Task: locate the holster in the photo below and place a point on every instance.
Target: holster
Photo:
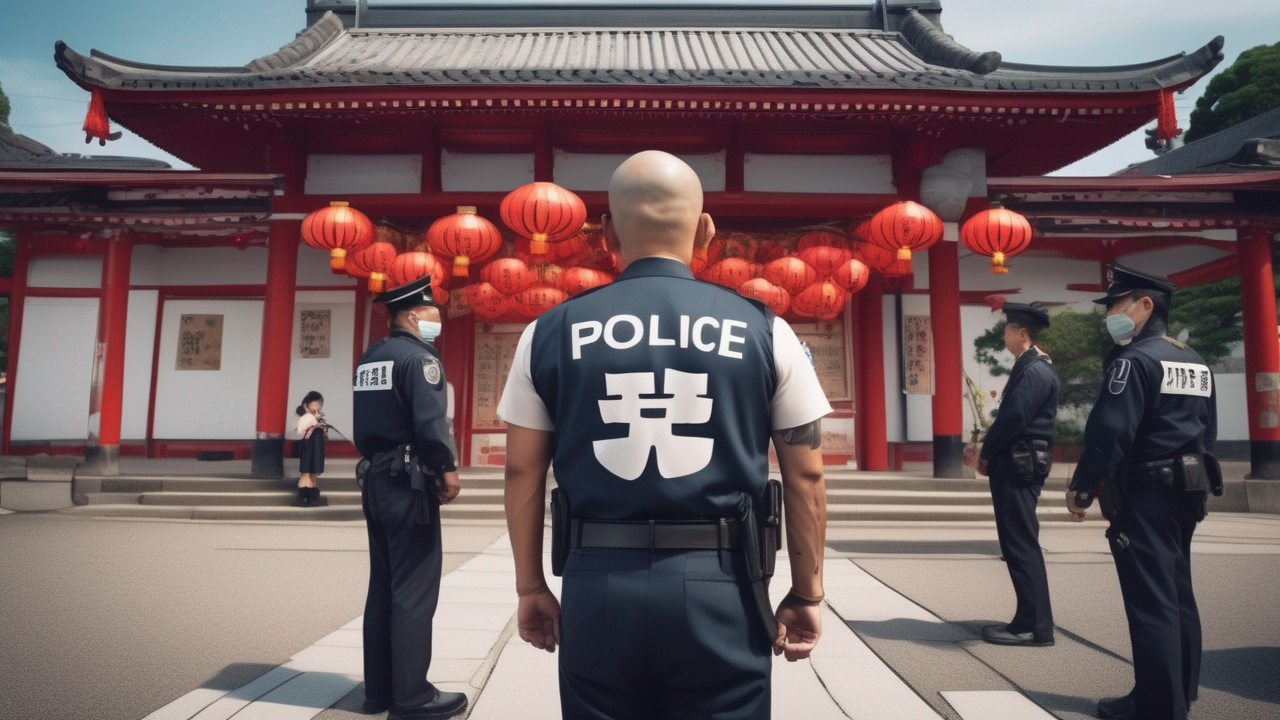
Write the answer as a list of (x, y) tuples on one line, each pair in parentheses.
[(1213, 469), (751, 554), (560, 528), (1025, 458), (424, 485), (770, 527)]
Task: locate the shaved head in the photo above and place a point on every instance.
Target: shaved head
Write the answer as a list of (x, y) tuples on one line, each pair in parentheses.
[(655, 205)]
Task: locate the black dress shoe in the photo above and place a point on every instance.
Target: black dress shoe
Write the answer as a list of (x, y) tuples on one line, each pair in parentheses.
[(375, 707), (445, 705), (1001, 635), (1117, 708)]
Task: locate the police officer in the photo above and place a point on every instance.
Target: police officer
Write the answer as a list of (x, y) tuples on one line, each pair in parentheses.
[(1144, 451), (400, 430), (656, 396), (1017, 455)]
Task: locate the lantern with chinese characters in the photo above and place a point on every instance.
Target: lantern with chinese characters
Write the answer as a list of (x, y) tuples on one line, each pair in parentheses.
[(536, 300), (730, 273), (774, 297), (486, 302), (410, 266), (374, 262), (340, 229), (509, 276), (999, 234), (904, 227), (464, 236), (822, 300), (825, 259), (544, 213), (851, 276), (576, 280), (821, 238), (791, 274)]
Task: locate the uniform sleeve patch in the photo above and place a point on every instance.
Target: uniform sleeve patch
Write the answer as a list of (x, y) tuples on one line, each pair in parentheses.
[(373, 376), (431, 369), (1119, 379), (1186, 379)]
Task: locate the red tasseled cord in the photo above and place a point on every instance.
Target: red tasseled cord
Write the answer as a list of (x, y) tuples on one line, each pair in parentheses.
[(1167, 120), (95, 121)]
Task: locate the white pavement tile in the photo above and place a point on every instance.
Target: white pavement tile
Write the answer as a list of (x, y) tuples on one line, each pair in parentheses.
[(505, 581), (345, 637), (994, 705), (497, 562), (329, 659), (357, 624), (473, 616), (525, 684), (798, 693), (302, 698), (235, 701), (187, 705), (453, 670), (859, 681), (493, 595), (450, 644), (863, 598)]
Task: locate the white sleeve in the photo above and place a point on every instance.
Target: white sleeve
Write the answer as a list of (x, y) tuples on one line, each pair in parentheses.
[(798, 399), (521, 404)]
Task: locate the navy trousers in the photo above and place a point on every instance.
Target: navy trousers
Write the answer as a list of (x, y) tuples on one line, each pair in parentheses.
[(660, 636), (1155, 579), (404, 588), (1018, 528)]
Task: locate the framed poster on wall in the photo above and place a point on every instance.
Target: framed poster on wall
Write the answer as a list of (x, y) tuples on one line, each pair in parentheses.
[(199, 343), (826, 340), (494, 353), (313, 339), (917, 355)]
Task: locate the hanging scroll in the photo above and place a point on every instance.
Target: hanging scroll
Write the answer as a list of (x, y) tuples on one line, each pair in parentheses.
[(494, 354), (826, 342), (313, 338), (199, 342), (917, 355)]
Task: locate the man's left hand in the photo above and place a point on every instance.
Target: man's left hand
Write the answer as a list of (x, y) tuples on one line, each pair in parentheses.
[(983, 465), (451, 487), (1078, 514)]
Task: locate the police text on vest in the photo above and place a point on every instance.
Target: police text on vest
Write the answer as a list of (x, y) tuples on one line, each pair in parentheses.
[(622, 332)]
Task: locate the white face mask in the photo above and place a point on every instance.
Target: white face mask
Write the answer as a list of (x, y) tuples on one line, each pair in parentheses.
[(1121, 327), (428, 330)]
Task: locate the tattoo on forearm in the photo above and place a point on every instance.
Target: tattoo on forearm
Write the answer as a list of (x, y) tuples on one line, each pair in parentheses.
[(810, 434)]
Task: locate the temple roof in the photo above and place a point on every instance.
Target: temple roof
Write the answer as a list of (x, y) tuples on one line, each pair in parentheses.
[(21, 152), (853, 47), (1250, 146)]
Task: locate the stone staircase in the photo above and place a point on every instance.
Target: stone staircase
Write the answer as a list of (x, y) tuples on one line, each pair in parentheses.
[(852, 496)]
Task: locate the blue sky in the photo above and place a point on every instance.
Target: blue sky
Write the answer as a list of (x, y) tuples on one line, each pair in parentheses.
[(49, 108)]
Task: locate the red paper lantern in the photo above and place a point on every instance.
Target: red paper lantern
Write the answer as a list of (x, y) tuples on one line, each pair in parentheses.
[(536, 300), (852, 276), (486, 302), (374, 262), (410, 266), (464, 236), (777, 299), (821, 238), (441, 295), (904, 227), (791, 274), (998, 233), (340, 229), (825, 259), (824, 301), (576, 280), (730, 273), (543, 212), (508, 276)]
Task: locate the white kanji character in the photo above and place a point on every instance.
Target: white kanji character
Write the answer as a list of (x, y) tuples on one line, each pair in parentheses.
[(651, 419)]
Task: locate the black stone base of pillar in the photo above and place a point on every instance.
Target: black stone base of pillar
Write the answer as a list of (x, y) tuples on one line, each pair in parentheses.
[(101, 460), (948, 457), (268, 459), (1264, 460)]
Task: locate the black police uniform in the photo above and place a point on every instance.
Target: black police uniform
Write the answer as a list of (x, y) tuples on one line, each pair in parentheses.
[(1144, 447), (662, 392), (1018, 449), (399, 402)]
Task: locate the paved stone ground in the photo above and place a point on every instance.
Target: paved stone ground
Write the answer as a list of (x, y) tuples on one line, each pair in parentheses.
[(110, 619)]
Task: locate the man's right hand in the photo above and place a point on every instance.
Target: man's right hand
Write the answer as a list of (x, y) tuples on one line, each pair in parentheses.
[(450, 488), (983, 465), (538, 619), (799, 627)]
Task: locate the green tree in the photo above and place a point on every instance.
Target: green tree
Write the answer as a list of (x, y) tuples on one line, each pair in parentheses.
[(1210, 314), (4, 107), (1250, 87)]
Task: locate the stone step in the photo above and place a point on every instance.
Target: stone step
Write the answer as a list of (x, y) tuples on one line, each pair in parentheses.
[(270, 513), (243, 499), (144, 484)]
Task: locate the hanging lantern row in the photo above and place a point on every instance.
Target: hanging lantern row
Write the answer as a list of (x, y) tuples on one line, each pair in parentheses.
[(340, 229), (464, 236), (904, 227)]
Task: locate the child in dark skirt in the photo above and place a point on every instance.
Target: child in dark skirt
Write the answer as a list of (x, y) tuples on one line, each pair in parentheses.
[(311, 428)]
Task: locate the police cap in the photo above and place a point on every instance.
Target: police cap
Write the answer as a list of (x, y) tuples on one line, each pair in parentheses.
[(1122, 281), (411, 294), (1033, 315)]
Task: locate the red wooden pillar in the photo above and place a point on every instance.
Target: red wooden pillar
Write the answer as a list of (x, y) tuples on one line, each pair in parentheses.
[(277, 344), (871, 405), (106, 399), (17, 302), (948, 401), (1261, 352)]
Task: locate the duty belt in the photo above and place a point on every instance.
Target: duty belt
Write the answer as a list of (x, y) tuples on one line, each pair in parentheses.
[(652, 535)]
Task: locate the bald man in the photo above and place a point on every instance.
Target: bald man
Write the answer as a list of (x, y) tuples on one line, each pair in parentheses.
[(656, 397)]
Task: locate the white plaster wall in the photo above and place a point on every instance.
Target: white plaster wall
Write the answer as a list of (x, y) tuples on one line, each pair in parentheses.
[(892, 376), (55, 367), (139, 348), (461, 172), (65, 271), (818, 173), (1233, 415), (145, 266), (366, 174), (330, 376), (313, 269), (210, 405), (592, 171), (1171, 260), (213, 266)]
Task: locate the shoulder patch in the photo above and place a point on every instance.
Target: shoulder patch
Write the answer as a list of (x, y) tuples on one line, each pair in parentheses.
[(1119, 377), (373, 376), (431, 369), (1185, 379)]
